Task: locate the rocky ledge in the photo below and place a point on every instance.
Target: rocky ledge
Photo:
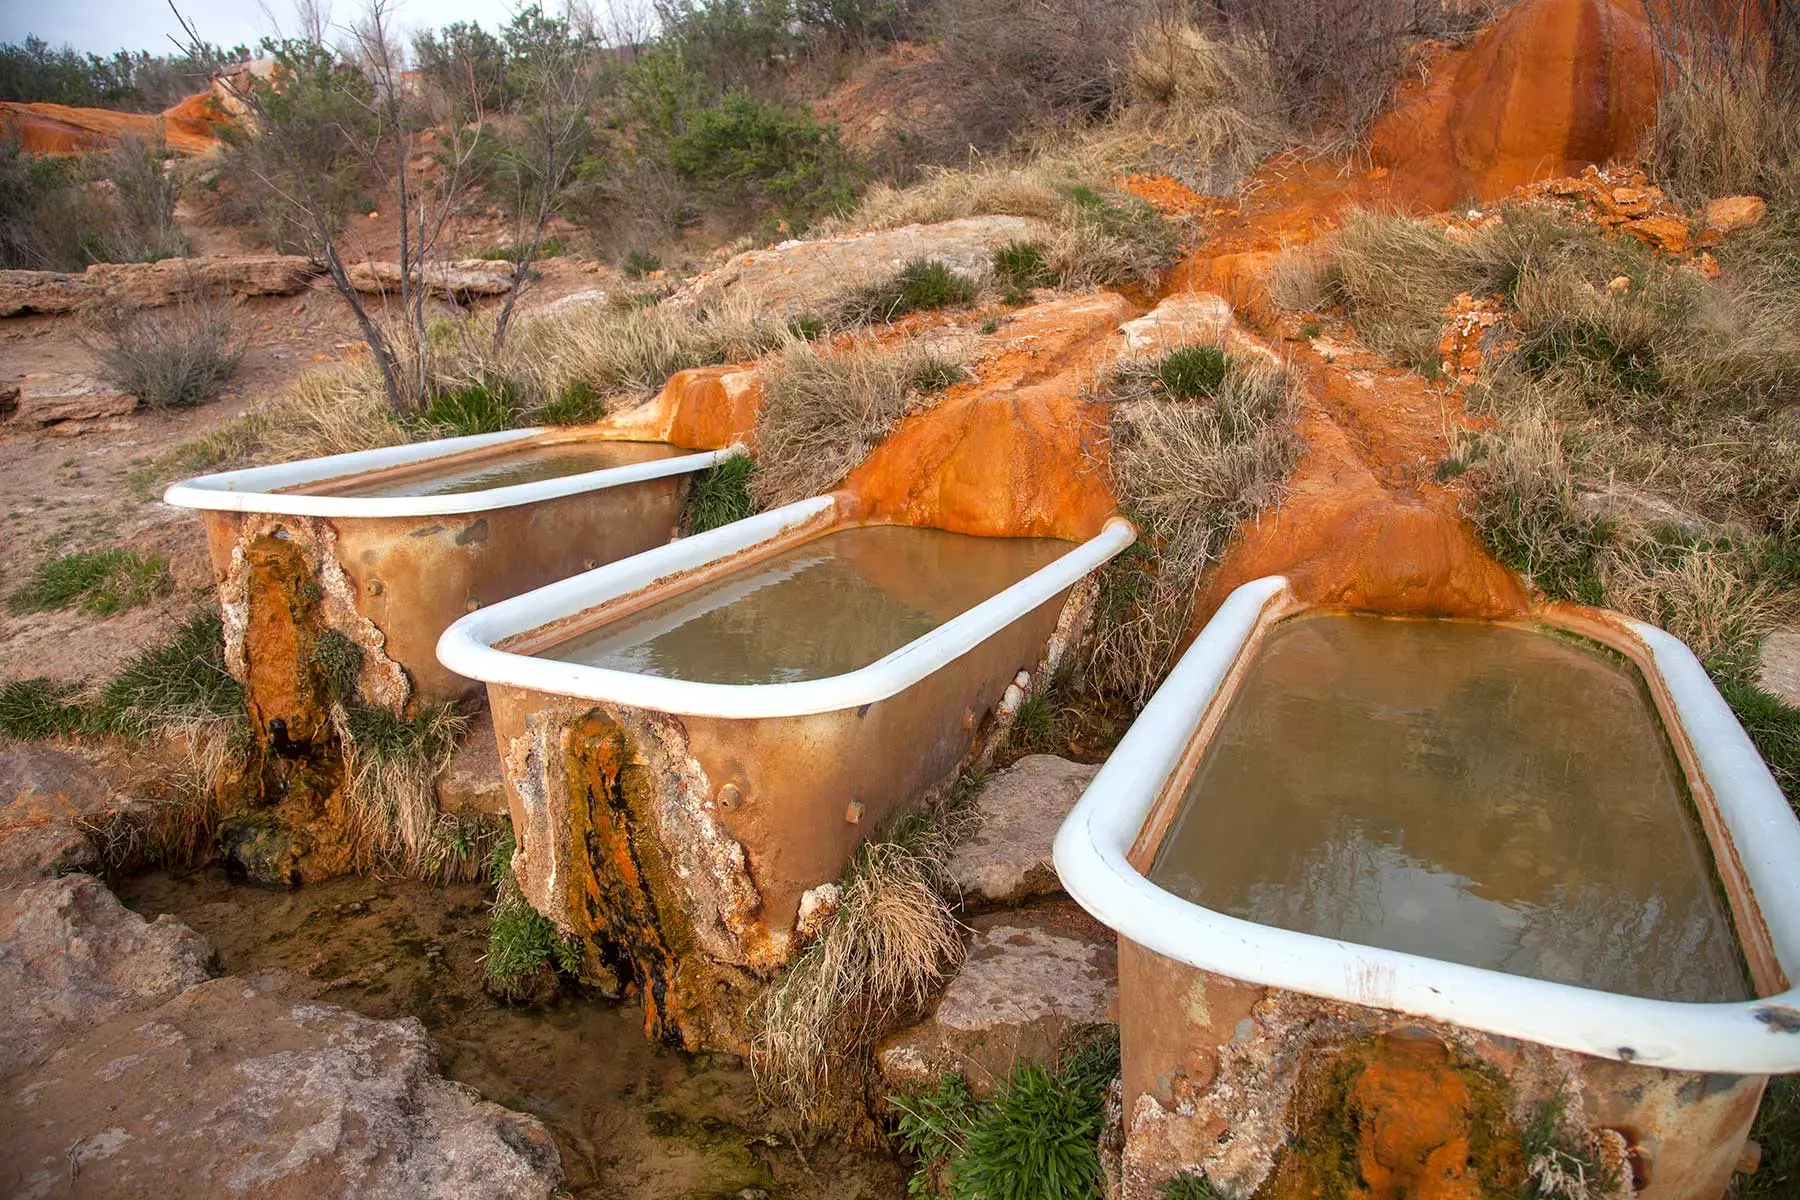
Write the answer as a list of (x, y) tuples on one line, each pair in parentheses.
[(128, 1071)]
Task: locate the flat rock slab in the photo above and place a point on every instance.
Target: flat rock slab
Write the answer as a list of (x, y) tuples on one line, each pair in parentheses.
[(473, 781), (1007, 859), (795, 276), (463, 277), (1034, 981), (72, 957), (126, 1071), (45, 796), (1779, 671), (1180, 320), (228, 1090), (49, 399), (147, 285)]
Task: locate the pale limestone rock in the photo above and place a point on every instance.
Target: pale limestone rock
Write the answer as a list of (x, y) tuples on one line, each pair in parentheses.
[(1007, 859), (464, 277), (72, 956), (796, 276), (45, 793), (148, 285), (1779, 672), (49, 399), (473, 781), (229, 1090), (585, 298), (1034, 981), (1179, 320)]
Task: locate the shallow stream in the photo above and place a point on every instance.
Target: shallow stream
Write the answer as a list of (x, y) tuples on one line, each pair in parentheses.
[(633, 1120)]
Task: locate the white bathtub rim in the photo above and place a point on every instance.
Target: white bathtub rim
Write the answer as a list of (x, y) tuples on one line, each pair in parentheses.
[(256, 489), (1754, 1037), (468, 646)]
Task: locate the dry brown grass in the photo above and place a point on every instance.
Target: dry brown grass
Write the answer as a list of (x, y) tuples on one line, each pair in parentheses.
[(390, 772), (1190, 472), (890, 943), (824, 410)]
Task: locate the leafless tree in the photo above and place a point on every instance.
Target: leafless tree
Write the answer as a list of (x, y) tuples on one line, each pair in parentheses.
[(386, 142)]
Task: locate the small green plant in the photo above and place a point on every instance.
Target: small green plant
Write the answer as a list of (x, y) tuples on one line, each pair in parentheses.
[(1192, 372), (578, 404), (922, 285), (936, 375), (522, 943), (485, 407), (1037, 1139), (1777, 1131), (720, 496), (1311, 330), (807, 327), (638, 264), (338, 662), (103, 582), (1034, 725), (1556, 1166), (181, 681), (1189, 1186), (33, 710), (1020, 266)]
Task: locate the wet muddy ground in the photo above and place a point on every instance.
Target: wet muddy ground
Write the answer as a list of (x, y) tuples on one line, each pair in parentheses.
[(632, 1119)]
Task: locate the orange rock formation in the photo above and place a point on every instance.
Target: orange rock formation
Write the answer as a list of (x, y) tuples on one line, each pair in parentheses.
[(58, 129), (1553, 86)]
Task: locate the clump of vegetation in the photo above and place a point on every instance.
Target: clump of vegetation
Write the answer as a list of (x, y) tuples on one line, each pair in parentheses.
[(1019, 267), (577, 404), (35, 710), (488, 406), (639, 264), (823, 412), (527, 955), (922, 285), (1189, 471), (752, 154), (1189, 1186), (720, 495), (35, 72), (174, 357), (62, 214), (1559, 1164), (887, 945), (103, 582), (1037, 1138)]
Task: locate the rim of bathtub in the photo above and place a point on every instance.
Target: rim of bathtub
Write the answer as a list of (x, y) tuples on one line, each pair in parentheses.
[(258, 489), (468, 647), (1753, 1037)]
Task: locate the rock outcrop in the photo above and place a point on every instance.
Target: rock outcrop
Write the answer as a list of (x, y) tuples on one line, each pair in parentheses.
[(1553, 86), (1033, 982), (61, 129), (457, 280), (126, 1071), (45, 795), (796, 276), (1007, 858), (148, 285), (51, 399)]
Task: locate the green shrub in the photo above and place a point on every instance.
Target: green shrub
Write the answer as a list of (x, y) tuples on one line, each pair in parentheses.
[(174, 357), (638, 264), (486, 407), (1191, 372), (522, 943), (34, 709), (1037, 1139), (720, 495), (104, 582), (1020, 266), (748, 153), (579, 404), (922, 285)]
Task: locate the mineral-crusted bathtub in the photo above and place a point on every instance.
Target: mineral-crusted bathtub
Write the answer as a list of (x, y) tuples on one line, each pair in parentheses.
[(691, 826), (1237, 1034), (389, 546)]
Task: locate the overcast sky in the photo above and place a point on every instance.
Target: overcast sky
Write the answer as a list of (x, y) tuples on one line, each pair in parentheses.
[(102, 26)]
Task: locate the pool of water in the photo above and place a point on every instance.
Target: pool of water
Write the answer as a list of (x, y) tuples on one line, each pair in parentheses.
[(1492, 795), (525, 464), (832, 605)]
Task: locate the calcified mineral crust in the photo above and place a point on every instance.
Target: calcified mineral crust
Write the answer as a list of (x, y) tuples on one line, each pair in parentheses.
[(1270, 1092)]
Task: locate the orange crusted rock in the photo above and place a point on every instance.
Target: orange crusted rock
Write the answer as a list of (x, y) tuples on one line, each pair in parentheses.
[(1552, 85), (1732, 213), (60, 129)]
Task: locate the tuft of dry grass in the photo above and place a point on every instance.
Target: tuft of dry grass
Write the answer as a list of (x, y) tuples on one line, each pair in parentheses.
[(175, 357), (391, 767), (823, 412), (892, 939), (1190, 472)]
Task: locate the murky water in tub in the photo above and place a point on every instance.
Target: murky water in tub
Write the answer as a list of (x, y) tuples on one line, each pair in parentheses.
[(832, 605), (528, 464), (1488, 795)]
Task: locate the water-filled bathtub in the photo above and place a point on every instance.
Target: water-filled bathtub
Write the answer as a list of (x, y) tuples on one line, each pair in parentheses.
[(696, 739), (394, 544), (1284, 887)]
